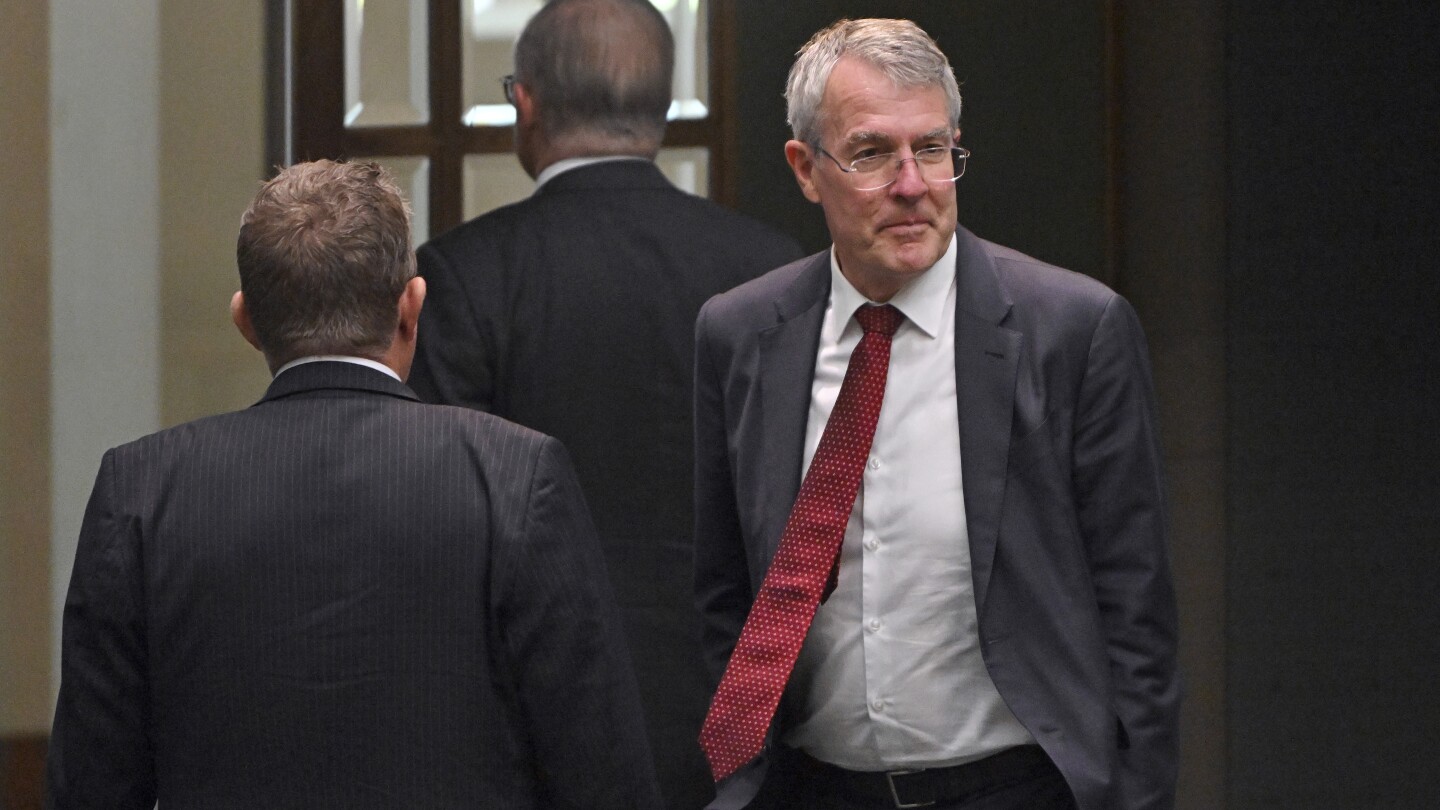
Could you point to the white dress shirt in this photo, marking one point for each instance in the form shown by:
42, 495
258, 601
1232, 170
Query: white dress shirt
891, 675
339, 358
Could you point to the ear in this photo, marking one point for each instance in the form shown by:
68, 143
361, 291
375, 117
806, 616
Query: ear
411, 301
241, 318
524, 106
802, 163
401, 352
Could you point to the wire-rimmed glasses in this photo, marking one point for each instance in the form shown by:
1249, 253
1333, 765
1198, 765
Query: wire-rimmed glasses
937, 164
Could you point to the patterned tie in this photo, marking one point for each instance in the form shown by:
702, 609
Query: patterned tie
740, 714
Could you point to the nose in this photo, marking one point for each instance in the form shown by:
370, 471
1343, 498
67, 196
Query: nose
909, 182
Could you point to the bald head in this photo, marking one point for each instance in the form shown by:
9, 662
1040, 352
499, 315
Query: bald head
599, 73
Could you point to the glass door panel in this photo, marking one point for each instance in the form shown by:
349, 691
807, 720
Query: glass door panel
386, 63
417, 84
688, 167
412, 174
690, 88
492, 181
489, 29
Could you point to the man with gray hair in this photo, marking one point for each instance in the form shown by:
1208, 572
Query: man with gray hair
340, 596
929, 503
571, 312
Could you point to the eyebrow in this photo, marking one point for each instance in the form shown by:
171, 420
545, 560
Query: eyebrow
869, 136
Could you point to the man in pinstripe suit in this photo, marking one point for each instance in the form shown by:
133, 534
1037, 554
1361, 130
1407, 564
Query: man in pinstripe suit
341, 597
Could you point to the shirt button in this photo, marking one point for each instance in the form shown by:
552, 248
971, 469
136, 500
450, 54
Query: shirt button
874, 625
872, 544
874, 463
877, 704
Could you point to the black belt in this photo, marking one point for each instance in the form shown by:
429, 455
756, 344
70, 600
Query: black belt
926, 786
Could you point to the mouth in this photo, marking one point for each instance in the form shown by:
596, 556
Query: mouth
909, 225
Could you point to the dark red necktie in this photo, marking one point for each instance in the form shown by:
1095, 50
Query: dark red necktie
749, 692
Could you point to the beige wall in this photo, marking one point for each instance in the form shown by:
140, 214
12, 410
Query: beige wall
211, 158
212, 161
24, 368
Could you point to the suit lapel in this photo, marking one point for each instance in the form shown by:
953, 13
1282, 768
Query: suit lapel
987, 357
787, 367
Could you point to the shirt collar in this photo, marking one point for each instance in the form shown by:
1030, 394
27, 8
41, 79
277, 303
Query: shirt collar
559, 167
922, 301
340, 358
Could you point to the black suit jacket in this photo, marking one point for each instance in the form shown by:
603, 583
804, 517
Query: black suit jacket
341, 597
1064, 499
572, 312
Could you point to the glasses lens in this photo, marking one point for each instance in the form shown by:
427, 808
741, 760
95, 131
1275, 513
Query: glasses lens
938, 164
960, 156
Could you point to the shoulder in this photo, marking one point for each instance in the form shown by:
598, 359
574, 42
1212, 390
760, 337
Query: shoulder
457, 430
188, 437
1040, 294
440, 430
635, 196
477, 234
761, 302
1061, 313
514, 463
1029, 277
748, 234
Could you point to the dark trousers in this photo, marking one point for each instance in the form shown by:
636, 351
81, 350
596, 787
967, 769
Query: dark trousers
1020, 779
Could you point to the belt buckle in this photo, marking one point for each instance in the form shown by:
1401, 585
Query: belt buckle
895, 794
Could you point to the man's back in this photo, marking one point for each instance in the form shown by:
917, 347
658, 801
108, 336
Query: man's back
341, 597
573, 313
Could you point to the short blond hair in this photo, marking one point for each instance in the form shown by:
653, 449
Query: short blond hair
324, 255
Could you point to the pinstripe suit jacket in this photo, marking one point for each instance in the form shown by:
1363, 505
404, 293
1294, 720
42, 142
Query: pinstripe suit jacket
341, 597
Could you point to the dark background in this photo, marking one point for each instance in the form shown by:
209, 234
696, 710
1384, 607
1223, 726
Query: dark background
1260, 179
1334, 390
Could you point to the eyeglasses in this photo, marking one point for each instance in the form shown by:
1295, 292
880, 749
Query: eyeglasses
937, 164
507, 83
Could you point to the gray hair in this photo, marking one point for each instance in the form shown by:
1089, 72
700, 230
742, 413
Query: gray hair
899, 49
599, 67
324, 255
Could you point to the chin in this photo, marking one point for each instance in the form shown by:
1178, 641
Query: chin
915, 258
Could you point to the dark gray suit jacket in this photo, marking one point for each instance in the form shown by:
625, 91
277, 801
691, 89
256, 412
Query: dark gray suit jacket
572, 312
1063, 493
341, 597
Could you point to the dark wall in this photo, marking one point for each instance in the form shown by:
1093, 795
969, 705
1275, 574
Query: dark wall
1334, 392
1032, 78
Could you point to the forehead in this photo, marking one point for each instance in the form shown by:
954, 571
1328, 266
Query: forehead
861, 103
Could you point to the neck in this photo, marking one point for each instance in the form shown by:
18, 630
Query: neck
582, 146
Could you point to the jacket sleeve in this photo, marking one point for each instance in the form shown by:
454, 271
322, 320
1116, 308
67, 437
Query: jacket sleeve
101, 753
723, 593
455, 355
563, 641
1120, 494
